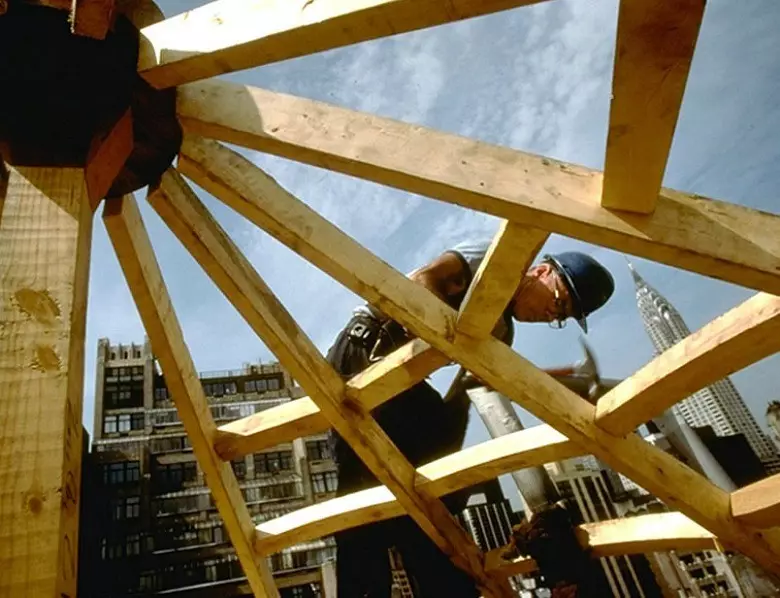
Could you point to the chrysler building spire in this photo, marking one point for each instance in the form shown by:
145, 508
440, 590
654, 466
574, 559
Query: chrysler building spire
718, 405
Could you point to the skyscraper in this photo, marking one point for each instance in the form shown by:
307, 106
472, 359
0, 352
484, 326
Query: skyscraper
718, 405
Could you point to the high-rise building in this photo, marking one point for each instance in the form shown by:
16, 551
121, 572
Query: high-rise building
489, 517
153, 527
773, 421
718, 405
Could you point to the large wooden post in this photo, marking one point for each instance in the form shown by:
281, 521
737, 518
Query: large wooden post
45, 235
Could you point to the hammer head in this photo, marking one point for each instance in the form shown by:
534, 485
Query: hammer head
588, 368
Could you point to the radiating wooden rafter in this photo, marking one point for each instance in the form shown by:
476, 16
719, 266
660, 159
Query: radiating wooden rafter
625, 209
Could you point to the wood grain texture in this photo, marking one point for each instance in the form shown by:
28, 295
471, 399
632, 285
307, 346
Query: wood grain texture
238, 183
207, 242
656, 532
92, 18
655, 46
45, 238
231, 35
511, 253
718, 239
485, 461
758, 504
136, 257
738, 338
383, 380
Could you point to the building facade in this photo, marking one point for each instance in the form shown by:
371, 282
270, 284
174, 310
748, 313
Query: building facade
773, 421
153, 527
718, 405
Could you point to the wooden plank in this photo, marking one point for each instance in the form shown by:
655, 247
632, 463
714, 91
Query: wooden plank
139, 265
718, 239
633, 535
655, 46
238, 183
510, 255
92, 18
45, 239
758, 504
742, 336
231, 35
485, 461
398, 371
107, 156
207, 242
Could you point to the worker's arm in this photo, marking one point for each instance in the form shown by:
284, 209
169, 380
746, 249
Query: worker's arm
446, 277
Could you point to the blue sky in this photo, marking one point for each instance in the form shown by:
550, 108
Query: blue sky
536, 79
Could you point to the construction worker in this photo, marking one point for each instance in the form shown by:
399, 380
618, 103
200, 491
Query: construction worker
423, 426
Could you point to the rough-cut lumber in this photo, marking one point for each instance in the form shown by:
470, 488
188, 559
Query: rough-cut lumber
510, 255
486, 461
241, 185
400, 370
632, 535
758, 504
45, 238
139, 265
107, 157
92, 18
231, 35
718, 239
207, 242
736, 339
655, 45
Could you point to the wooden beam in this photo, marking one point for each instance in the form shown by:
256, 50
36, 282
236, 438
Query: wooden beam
139, 265
92, 18
655, 46
403, 368
107, 156
718, 239
729, 343
45, 239
238, 183
510, 255
202, 236
232, 35
655, 532
758, 504
486, 461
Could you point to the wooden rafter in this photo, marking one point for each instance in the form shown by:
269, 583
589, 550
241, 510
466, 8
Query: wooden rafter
380, 382
231, 35
759, 503
498, 276
729, 343
136, 257
241, 185
644, 533
202, 236
718, 239
485, 461
655, 45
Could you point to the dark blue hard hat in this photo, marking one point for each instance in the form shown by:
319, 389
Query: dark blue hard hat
590, 284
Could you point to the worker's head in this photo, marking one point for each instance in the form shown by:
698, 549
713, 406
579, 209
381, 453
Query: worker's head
562, 286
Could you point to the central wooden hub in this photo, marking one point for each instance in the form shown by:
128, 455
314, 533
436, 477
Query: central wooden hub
63, 94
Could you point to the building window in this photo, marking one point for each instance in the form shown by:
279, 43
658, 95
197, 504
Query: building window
239, 468
273, 384
109, 424
230, 388
318, 450
128, 507
137, 421
273, 462
137, 354
133, 545
160, 393
174, 475
121, 473
124, 422
323, 482
271, 492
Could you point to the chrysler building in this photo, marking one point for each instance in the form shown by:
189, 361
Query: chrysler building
718, 405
